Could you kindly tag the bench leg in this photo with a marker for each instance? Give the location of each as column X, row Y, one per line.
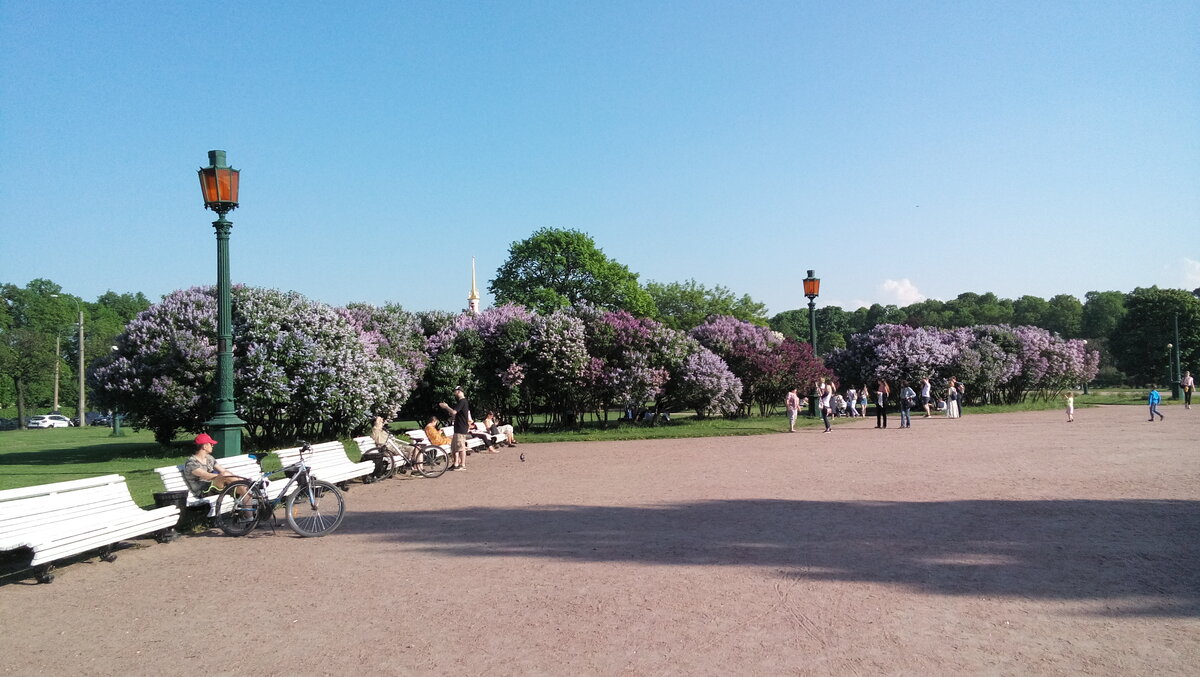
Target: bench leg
column 44, row 573
column 165, row 535
column 344, row 486
column 107, row 554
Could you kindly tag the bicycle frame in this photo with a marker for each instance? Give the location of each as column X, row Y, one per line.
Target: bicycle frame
column 301, row 479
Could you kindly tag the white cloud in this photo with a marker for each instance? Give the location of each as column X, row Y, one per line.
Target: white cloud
column 900, row 292
column 1191, row 273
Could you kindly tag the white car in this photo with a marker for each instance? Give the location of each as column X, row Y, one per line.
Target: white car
column 49, row 421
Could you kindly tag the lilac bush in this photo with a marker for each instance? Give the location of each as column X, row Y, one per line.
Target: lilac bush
column 697, row 378
column 994, row 362
column 766, row 364
column 301, row 368
column 486, row 354
column 390, row 333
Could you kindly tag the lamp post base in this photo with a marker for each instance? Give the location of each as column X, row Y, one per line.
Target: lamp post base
column 227, row 431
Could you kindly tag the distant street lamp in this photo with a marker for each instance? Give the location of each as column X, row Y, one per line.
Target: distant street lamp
column 812, row 289
column 1175, row 381
column 219, row 183
column 1085, row 383
column 81, row 413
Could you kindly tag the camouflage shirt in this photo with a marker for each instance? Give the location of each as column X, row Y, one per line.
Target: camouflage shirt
column 195, row 484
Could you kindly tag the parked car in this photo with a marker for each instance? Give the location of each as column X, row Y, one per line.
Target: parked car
column 97, row 418
column 9, row 424
column 49, row 421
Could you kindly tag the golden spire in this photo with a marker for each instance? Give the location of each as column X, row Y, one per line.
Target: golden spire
column 473, row 299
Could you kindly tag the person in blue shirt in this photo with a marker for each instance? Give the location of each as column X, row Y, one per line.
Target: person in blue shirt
column 1155, row 398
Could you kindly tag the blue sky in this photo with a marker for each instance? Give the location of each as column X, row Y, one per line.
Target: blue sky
column 902, row 150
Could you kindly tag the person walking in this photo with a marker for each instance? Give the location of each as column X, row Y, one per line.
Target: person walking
column 882, row 393
column 962, row 398
column 1154, row 400
column 825, row 392
column 926, row 395
column 1070, row 407
column 907, row 399
column 863, row 398
column 1189, row 384
column 952, row 399
column 852, row 402
column 792, row 402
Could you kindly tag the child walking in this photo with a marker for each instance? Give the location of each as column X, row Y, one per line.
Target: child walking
column 1070, row 407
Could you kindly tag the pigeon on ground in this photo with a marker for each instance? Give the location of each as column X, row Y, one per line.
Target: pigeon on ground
column 522, row 457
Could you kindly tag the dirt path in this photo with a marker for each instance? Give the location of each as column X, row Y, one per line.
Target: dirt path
column 1002, row 544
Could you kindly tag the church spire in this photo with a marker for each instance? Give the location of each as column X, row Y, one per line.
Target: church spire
column 473, row 299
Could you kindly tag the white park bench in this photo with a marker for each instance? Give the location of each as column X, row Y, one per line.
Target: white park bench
column 366, row 445
column 328, row 461
column 68, row 518
column 242, row 466
column 473, row 441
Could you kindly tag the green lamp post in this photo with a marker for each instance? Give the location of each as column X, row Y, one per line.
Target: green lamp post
column 1176, row 381
column 219, row 182
column 812, row 289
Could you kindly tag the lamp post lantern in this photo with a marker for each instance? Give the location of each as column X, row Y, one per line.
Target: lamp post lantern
column 812, row 289
column 219, row 183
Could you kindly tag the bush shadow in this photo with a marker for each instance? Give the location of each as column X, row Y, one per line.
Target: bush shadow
column 94, row 453
column 1136, row 557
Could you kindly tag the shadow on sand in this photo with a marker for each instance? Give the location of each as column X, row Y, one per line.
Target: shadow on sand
column 1135, row 557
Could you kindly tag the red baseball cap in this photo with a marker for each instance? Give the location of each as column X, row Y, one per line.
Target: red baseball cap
column 203, row 438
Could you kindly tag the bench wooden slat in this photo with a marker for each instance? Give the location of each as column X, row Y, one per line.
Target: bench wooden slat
column 68, row 518
column 328, row 461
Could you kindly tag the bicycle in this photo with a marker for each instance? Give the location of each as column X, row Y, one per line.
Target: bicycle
column 314, row 508
column 426, row 459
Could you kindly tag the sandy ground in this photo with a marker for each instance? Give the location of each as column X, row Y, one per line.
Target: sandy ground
column 1001, row 544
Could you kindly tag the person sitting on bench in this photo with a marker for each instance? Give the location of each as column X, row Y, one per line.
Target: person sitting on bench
column 504, row 432
column 434, row 434
column 201, row 471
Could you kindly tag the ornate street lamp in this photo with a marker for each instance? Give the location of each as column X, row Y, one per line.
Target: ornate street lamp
column 219, row 183
column 812, row 289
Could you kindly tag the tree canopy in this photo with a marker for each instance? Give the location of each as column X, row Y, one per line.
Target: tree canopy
column 1139, row 341
column 557, row 268
column 684, row 305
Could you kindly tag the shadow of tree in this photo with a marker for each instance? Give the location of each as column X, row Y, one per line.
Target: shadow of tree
column 97, row 453
column 1138, row 557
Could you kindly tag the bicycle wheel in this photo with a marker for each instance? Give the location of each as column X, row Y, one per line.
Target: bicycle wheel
column 315, row 510
column 384, row 466
column 435, row 462
column 390, row 457
column 239, row 508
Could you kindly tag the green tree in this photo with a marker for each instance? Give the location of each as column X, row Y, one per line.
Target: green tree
column 833, row 328
column 928, row 313
column 1139, row 341
column 34, row 316
column 1030, row 310
column 1102, row 310
column 791, row 323
column 556, row 268
column 684, row 305
column 1065, row 316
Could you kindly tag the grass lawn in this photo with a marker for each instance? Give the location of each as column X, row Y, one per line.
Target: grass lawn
column 29, row 457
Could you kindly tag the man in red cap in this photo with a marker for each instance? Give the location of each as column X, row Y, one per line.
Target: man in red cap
column 202, row 472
